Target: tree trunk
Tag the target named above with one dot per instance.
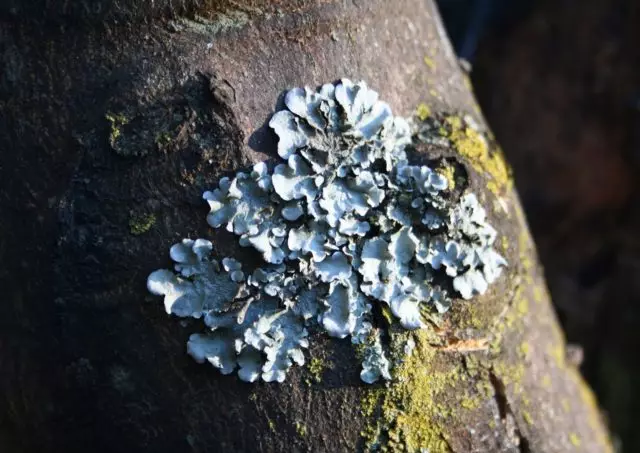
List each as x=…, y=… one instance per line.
x=115, y=118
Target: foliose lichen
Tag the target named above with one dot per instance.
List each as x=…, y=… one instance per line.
x=345, y=225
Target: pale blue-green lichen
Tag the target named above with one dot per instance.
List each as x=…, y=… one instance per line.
x=344, y=223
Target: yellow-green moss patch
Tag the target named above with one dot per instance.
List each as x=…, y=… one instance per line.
x=116, y=121
x=163, y=139
x=504, y=243
x=423, y=112
x=141, y=223
x=317, y=367
x=472, y=145
x=448, y=172
x=428, y=391
x=587, y=396
x=430, y=63
x=574, y=439
x=301, y=429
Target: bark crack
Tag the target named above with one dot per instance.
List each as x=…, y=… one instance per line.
x=505, y=411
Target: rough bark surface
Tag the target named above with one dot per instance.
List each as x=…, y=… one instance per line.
x=132, y=112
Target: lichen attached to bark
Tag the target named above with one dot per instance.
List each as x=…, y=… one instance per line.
x=344, y=226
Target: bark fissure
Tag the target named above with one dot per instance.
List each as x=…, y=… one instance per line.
x=500, y=396
x=504, y=410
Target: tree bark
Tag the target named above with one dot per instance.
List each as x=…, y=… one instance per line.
x=115, y=118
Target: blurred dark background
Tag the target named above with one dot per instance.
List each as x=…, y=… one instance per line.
x=559, y=83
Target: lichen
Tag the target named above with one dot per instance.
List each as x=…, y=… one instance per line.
x=375, y=364
x=344, y=224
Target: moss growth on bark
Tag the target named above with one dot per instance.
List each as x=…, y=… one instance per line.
x=429, y=392
x=141, y=223
x=317, y=366
x=116, y=122
x=301, y=429
x=423, y=112
x=448, y=172
x=485, y=159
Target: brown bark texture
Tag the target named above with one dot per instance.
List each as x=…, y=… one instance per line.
x=568, y=122
x=113, y=112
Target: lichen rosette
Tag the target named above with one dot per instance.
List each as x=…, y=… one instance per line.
x=344, y=225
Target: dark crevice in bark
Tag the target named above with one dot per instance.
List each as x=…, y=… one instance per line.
x=524, y=444
x=499, y=395
x=448, y=445
x=504, y=409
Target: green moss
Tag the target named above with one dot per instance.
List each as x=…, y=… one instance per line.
x=301, y=429
x=369, y=407
x=470, y=403
x=423, y=112
x=556, y=352
x=317, y=367
x=141, y=223
x=484, y=388
x=411, y=409
x=522, y=306
x=116, y=121
x=163, y=139
x=448, y=172
x=469, y=316
x=595, y=423
x=574, y=439
x=527, y=418
x=125, y=139
x=370, y=400
x=388, y=316
x=538, y=293
x=430, y=63
x=504, y=243
x=466, y=80
x=511, y=374
x=425, y=397
x=473, y=146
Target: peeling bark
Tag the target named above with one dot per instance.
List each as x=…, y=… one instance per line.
x=136, y=112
